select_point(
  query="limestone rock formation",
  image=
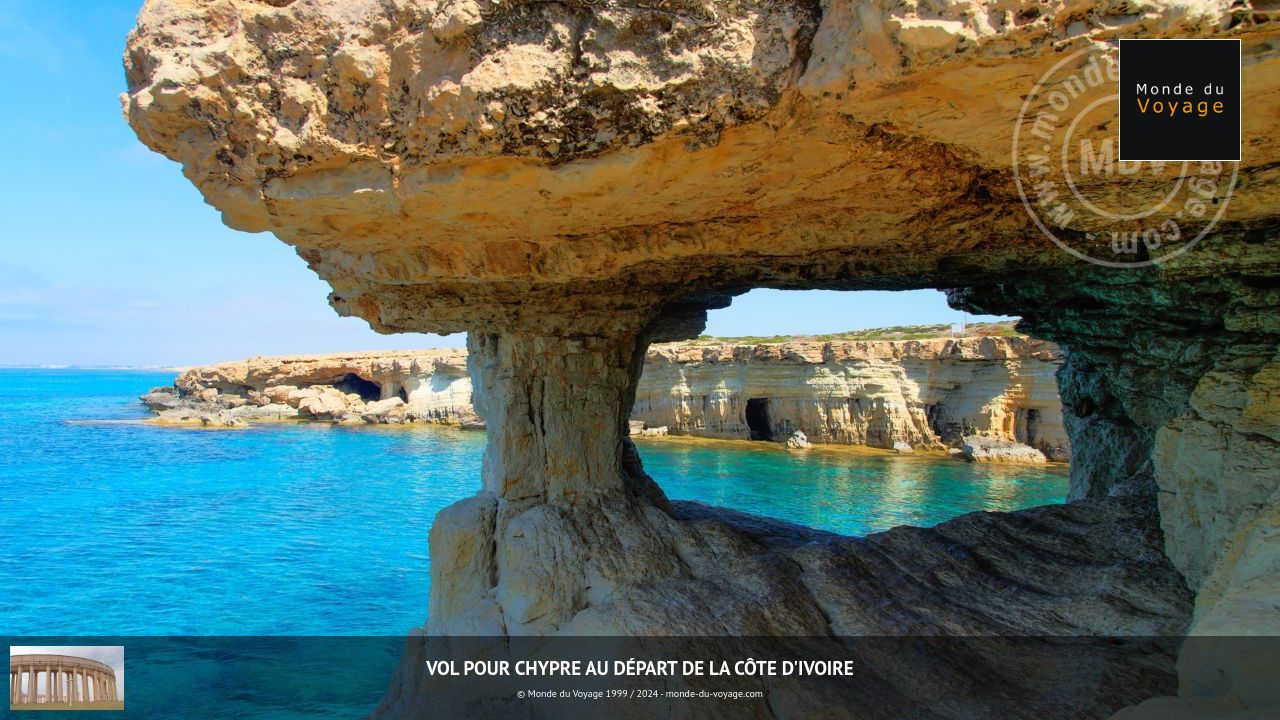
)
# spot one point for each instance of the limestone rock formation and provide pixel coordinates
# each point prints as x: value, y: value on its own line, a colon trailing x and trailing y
x: 373, y: 387
x: 1090, y: 569
x: 570, y: 182
x: 798, y: 441
x: 975, y: 448
x: 925, y: 393
x: 880, y: 393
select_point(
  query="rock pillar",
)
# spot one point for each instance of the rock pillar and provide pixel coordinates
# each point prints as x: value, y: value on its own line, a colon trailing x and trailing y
x: 556, y: 410
x: 510, y: 560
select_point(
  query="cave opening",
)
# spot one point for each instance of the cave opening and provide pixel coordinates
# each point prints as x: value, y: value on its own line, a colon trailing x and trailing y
x: 758, y: 419
x: 1140, y: 340
x: 368, y: 390
x: 901, y: 371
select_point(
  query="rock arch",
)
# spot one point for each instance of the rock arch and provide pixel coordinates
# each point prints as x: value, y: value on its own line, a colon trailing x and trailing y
x: 567, y: 192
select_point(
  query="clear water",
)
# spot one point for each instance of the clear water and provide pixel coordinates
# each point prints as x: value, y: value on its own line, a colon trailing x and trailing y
x: 111, y: 527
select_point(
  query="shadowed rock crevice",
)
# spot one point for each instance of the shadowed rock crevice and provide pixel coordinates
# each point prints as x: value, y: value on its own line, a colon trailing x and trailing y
x: 368, y: 390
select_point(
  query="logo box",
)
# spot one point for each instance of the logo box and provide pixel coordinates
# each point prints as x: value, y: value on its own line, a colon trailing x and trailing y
x: 1180, y: 100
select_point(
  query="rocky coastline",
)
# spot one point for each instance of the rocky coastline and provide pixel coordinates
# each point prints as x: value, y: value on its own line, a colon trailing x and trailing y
x: 930, y: 394
x: 571, y: 185
x: 365, y: 387
x: 983, y: 398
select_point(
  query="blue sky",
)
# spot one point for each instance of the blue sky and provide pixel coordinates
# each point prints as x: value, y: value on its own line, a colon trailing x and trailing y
x: 110, y: 257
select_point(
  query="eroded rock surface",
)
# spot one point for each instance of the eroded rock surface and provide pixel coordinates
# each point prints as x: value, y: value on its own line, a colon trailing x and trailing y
x: 924, y: 393
x: 1164, y: 392
x: 880, y: 393
x: 649, y: 569
x: 571, y: 181
x: 372, y: 387
x: 975, y: 448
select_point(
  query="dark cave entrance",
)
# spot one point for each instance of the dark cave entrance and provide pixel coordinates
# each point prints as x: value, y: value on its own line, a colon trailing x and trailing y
x: 368, y: 390
x: 758, y: 419
x: 1033, y: 425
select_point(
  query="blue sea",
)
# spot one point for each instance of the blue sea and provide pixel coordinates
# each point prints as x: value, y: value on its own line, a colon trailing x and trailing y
x: 115, y: 528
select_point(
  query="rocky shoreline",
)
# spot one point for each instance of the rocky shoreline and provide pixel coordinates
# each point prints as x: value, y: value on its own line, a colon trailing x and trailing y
x: 991, y: 399
x: 353, y: 388
x: 570, y: 187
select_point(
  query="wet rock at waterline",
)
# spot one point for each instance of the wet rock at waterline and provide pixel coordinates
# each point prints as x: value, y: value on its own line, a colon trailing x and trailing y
x: 797, y: 441
x: 979, y: 449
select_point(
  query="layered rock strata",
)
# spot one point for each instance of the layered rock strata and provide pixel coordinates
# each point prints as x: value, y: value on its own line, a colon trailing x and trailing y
x: 569, y: 182
x: 645, y: 568
x: 880, y: 393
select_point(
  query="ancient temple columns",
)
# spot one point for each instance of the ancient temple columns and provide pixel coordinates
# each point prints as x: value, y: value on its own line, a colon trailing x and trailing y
x: 65, y: 679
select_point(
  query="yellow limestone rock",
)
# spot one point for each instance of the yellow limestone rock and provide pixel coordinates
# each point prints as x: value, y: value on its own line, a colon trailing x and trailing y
x: 569, y: 182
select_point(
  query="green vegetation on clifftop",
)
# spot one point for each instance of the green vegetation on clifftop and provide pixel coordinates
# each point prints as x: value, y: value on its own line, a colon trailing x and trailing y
x: 896, y: 332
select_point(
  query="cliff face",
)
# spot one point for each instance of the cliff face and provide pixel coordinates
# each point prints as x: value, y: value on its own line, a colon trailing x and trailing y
x: 569, y: 182
x: 924, y: 393
x: 428, y: 385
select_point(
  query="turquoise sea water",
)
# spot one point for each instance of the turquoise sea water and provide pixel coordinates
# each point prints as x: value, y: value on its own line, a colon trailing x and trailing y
x: 113, y: 527
x: 183, y: 544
